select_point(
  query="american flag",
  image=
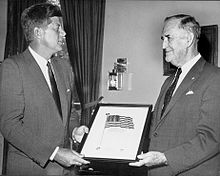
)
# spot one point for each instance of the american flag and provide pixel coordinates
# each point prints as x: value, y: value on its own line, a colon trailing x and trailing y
x: 119, y: 121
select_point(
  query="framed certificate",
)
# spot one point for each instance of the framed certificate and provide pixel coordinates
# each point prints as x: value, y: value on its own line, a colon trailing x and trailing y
x: 117, y: 132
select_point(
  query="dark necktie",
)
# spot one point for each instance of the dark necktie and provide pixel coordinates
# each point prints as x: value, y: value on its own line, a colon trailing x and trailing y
x: 54, y: 90
x: 169, y: 92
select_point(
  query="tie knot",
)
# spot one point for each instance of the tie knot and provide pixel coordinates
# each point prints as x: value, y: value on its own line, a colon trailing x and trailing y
x: 178, y: 72
x: 48, y: 63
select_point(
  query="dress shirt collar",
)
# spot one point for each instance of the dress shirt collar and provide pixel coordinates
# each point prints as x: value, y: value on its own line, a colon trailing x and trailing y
x: 39, y: 59
x: 185, y: 69
x: 42, y: 63
x: 187, y: 66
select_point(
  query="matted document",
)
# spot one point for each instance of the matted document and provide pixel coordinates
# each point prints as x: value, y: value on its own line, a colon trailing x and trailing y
x: 116, y: 132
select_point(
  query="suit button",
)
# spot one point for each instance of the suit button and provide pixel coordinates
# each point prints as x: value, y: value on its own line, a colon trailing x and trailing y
x: 155, y: 134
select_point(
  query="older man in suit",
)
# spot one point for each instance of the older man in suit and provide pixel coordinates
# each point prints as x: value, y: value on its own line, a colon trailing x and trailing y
x: 36, y: 91
x: 185, y: 131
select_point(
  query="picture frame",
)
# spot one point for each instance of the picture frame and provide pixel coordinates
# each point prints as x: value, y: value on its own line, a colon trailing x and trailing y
x: 117, y: 132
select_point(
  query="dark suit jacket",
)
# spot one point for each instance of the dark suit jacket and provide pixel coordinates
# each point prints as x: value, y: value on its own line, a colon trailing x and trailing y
x: 189, y: 130
x: 29, y: 118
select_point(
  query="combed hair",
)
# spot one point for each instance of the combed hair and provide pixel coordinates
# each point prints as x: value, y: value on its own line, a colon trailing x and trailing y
x: 188, y: 23
x: 36, y: 16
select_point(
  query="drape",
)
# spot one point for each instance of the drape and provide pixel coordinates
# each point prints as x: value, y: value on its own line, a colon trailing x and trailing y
x: 84, y: 25
x: 15, y: 41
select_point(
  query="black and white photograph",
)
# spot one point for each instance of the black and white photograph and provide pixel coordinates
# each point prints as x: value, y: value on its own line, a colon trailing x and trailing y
x: 109, y: 88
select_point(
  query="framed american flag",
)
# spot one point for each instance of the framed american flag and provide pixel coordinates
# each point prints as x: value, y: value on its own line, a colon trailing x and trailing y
x: 117, y: 132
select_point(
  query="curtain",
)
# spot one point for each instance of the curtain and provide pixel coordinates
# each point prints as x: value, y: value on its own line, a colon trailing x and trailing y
x: 15, y: 41
x: 84, y: 25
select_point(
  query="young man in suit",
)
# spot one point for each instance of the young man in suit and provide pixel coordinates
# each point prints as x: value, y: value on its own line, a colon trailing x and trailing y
x: 33, y: 121
x: 185, y: 130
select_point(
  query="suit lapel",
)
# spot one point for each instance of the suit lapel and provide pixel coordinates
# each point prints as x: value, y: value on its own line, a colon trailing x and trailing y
x: 190, y: 78
x: 61, y: 88
x: 35, y: 71
x: 160, y: 101
x: 41, y: 82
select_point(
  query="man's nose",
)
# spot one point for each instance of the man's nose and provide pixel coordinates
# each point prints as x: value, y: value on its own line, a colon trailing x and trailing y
x: 62, y: 32
x: 165, y: 43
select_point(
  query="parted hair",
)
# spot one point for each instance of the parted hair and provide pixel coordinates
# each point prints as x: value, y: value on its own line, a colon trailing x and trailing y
x: 36, y: 16
x: 188, y: 23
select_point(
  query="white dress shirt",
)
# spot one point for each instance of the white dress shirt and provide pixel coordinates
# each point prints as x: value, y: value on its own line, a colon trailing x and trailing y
x: 185, y: 69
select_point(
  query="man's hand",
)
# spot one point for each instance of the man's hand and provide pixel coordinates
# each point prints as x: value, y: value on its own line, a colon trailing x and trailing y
x: 151, y: 158
x: 67, y: 157
x: 78, y: 133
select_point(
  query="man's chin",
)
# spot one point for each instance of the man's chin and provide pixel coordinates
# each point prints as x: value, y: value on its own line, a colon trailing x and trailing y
x: 168, y: 59
x: 59, y: 48
x: 172, y: 61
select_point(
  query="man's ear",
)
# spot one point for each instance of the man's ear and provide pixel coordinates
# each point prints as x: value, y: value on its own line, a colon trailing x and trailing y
x: 190, y: 38
x: 37, y: 32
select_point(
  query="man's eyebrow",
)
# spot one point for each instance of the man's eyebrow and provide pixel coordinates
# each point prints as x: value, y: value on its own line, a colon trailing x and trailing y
x: 56, y: 24
x: 167, y: 36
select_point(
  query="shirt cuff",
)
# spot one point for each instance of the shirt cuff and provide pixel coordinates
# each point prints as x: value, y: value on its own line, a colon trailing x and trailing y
x: 54, y: 153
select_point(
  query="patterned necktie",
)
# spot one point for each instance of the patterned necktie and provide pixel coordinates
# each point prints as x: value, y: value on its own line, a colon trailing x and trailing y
x: 169, y: 92
x: 54, y: 90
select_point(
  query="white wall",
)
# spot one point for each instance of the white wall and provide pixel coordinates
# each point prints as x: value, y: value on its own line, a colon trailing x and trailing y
x: 133, y: 30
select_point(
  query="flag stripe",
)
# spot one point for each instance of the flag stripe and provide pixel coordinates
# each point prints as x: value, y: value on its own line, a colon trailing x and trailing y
x: 119, y: 121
